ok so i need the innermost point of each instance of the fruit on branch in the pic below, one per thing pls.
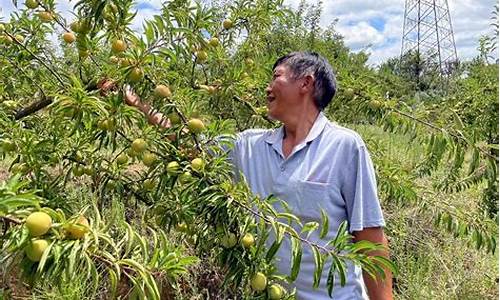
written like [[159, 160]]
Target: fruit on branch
[[105, 124], [201, 56], [136, 74], [125, 62], [112, 8], [185, 177], [148, 159], [69, 37], [110, 185], [6, 39], [46, 16], [174, 118], [149, 184], [209, 88], [261, 110], [110, 123], [181, 227], [8, 145], [275, 292], [102, 125], [139, 145], [75, 26], [113, 59], [19, 38], [88, 170], [197, 164], [258, 282], [195, 125], [173, 168], [214, 42], [83, 53], [31, 4], [85, 26], [77, 171], [34, 250], [229, 240], [122, 159], [38, 223], [375, 104], [78, 228], [248, 240], [227, 24], [19, 168], [349, 93], [110, 11], [78, 156], [163, 91], [118, 46], [132, 153]]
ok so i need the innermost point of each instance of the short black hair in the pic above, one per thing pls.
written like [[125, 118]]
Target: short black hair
[[305, 63]]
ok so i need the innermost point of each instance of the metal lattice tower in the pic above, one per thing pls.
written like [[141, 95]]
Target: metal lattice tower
[[427, 32]]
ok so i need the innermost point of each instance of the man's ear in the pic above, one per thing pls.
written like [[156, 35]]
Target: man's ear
[[307, 83]]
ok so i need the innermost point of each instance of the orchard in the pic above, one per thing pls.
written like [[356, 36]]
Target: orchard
[[96, 202]]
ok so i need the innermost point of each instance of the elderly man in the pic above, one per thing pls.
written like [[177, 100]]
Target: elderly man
[[312, 164]]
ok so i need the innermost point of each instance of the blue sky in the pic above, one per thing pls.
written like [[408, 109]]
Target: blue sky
[[374, 26]]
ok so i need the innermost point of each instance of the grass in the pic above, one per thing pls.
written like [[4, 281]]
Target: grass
[[433, 264]]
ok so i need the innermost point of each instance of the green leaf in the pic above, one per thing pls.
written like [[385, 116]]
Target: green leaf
[[72, 256], [130, 235], [296, 258], [386, 263], [272, 250], [113, 278], [309, 228], [340, 266], [319, 263], [330, 281], [43, 259], [289, 216], [324, 224], [132, 263], [341, 237]]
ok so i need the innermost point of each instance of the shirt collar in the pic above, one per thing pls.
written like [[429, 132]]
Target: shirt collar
[[319, 124]]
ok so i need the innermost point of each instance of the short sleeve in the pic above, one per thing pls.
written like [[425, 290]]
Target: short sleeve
[[359, 190]]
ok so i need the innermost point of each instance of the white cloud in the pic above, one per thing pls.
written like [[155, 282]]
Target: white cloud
[[361, 35], [470, 20]]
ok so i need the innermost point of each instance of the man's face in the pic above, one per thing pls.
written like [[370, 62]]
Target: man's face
[[282, 92]]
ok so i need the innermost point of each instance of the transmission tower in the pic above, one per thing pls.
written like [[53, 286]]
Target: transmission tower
[[428, 34]]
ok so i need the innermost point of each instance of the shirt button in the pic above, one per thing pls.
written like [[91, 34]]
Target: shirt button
[[282, 168]]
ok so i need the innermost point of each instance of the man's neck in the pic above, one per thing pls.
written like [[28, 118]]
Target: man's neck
[[297, 129]]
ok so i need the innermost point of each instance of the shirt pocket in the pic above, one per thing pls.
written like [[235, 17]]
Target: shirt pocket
[[311, 198]]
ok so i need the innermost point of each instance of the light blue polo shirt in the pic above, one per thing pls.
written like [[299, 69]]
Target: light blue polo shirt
[[330, 169]]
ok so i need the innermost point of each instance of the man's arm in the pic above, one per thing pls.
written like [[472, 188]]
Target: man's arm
[[378, 289], [154, 117]]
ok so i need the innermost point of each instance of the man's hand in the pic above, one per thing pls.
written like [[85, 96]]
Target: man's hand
[[130, 97], [154, 117]]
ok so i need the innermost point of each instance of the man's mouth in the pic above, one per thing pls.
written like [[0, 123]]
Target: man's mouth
[[270, 99]]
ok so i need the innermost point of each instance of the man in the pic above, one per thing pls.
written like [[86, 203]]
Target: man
[[312, 164]]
